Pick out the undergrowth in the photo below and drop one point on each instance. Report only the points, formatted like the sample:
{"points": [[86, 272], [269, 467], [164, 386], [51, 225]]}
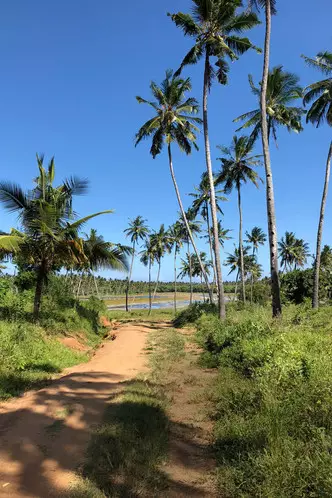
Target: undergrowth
{"points": [[273, 401]]}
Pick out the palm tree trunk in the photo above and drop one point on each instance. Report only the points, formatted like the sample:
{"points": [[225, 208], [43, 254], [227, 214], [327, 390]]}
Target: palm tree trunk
{"points": [[243, 276], [252, 276], [315, 297], [190, 275], [129, 277], [210, 244], [272, 228], [221, 298], [38, 291], [150, 298], [96, 286], [175, 251], [236, 281], [79, 285], [157, 282], [186, 221]]}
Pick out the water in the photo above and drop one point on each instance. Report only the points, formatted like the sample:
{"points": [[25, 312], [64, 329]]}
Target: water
{"points": [[155, 306]]}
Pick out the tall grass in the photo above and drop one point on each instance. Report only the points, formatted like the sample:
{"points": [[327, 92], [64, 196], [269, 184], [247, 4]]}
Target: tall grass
{"points": [[273, 401]]}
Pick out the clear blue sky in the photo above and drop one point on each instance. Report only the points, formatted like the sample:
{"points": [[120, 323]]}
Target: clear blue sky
{"points": [[70, 71]]}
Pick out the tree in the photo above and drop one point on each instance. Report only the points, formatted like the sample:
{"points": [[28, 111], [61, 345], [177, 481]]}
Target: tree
{"points": [[176, 237], [214, 25], [236, 171], [269, 7], [256, 238], [293, 252], [320, 93], [50, 231], [148, 257], [197, 272], [137, 231], [201, 203], [176, 121], [282, 90], [235, 262], [195, 228], [161, 243]]}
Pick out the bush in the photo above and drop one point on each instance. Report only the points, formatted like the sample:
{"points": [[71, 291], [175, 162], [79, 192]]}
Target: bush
{"points": [[192, 313], [273, 401]]}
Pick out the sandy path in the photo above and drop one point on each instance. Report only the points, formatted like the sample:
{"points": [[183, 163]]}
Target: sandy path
{"points": [[44, 434]]}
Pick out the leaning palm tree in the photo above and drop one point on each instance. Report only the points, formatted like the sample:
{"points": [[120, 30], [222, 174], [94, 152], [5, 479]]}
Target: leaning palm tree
{"points": [[137, 231], [215, 26], [175, 121], [320, 93], [201, 203], [50, 231], [236, 171], [256, 238], [176, 237], [282, 90], [269, 7]]}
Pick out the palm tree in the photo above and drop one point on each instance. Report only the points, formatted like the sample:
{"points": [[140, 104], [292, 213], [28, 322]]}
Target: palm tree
{"points": [[282, 90], [320, 93], [269, 7], [237, 170], [175, 121], [235, 262], [256, 238], [161, 243], [137, 231], [187, 266], [148, 257], [176, 237], [293, 252], [201, 203], [214, 25], [197, 272], [195, 228], [50, 233]]}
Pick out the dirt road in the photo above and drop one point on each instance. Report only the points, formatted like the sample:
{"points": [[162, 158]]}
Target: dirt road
{"points": [[44, 434]]}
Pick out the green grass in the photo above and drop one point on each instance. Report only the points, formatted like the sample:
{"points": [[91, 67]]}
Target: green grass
{"points": [[273, 401], [127, 451], [142, 315]]}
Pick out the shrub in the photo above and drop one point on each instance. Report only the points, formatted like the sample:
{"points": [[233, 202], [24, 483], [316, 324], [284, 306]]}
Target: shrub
{"points": [[191, 314]]}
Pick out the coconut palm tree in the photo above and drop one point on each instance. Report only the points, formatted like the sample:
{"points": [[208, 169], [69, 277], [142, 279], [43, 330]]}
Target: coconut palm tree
{"points": [[50, 231], [320, 93], [282, 90], [269, 7], [148, 258], [176, 121], [236, 171], [161, 243], [195, 228], [201, 203], [235, 262], [197, 272], [215, 26], [293, 252], [176, 237], [256, 238], [138, 232]]}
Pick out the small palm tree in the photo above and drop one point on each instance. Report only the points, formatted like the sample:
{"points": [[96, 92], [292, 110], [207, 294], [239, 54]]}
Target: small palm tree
{"points": [[176, 237], [50, 231], [197, 272], [161, 244], [237, 170], [201, 203], [256, 238], [138, 232], [320, 94], [176, 121], [282, 90], [235, 262], [293, 252], [148, 258], [215, 26]]}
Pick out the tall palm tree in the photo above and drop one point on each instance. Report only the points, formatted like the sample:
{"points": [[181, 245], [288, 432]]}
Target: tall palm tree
{"points": [[293, 252], [237, 170], [137, 231], [176, 121], [320, 93], [256, 238], [201, 203], [176, 237], [215, 25], [269, 7], [195, 228], [282, 90], [161, 243], [50, 231]]}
